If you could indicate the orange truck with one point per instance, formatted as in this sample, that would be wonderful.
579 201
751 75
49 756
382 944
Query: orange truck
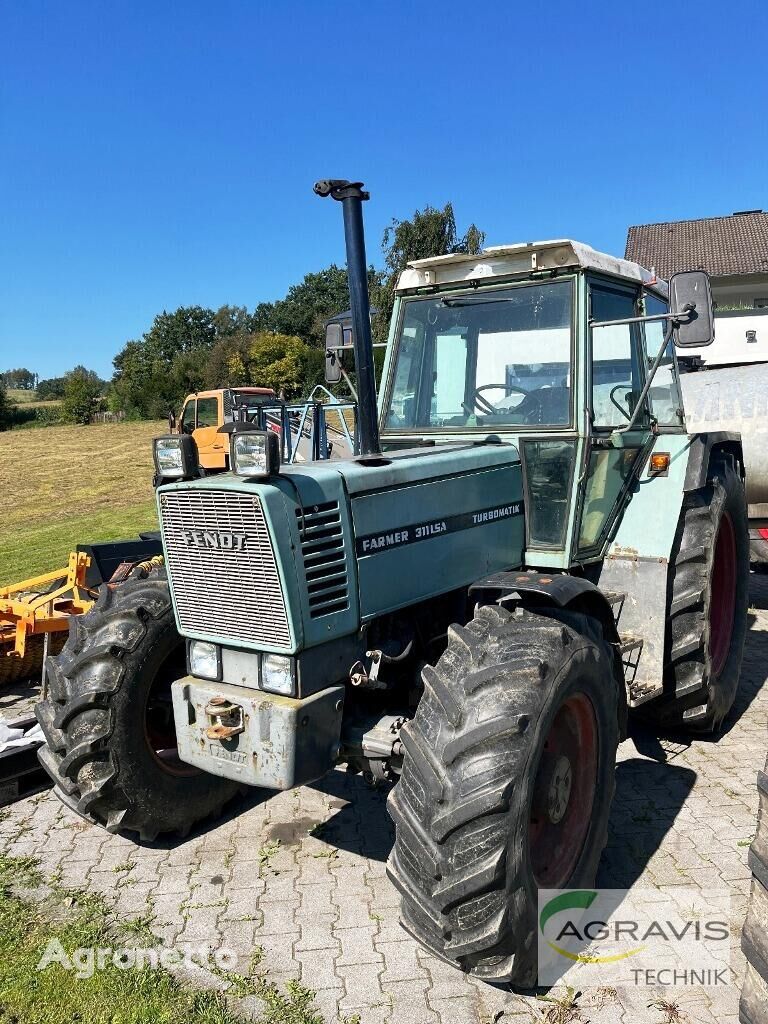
205 411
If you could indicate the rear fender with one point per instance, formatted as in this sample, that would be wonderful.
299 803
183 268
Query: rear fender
706 446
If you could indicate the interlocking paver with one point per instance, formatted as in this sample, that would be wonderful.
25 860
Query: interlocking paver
323 911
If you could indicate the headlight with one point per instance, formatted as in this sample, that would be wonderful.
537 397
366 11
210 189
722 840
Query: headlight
176 458
278 675
168 458
255 452
204 660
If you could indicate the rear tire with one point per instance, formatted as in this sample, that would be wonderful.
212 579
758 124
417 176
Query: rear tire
481 815
707 610
108 725
754 940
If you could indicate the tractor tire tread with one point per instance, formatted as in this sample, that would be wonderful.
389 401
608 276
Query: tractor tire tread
452 862
693 701
99 771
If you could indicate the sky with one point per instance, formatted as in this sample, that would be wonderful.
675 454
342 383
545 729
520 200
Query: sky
161 154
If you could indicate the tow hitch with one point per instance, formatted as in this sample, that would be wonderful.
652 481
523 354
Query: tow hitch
227 719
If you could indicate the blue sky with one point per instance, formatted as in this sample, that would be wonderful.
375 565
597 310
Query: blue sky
160 154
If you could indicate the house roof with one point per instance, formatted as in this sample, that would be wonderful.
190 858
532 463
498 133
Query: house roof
723 246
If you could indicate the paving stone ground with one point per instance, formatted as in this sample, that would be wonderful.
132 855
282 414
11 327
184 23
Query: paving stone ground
301 875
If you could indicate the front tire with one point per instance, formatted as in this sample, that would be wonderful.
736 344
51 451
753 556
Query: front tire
110 738
507 783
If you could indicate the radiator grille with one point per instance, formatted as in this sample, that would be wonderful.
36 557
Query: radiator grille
322 547
222 567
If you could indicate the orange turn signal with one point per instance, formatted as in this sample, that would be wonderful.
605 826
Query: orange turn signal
659 464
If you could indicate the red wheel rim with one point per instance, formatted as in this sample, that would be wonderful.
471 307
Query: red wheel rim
722 602
564 793
160 731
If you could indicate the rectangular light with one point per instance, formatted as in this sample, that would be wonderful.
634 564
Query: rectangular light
205 660
176 458
255 453
278 674
169 460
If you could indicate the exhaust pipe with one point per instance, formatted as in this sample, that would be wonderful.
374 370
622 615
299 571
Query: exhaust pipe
351 196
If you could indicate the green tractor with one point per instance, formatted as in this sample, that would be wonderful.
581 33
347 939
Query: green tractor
528 546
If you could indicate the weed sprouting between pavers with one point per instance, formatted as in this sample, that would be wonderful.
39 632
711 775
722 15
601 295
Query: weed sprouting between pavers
38 915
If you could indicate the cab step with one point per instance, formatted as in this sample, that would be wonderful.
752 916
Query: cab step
614 599
629 643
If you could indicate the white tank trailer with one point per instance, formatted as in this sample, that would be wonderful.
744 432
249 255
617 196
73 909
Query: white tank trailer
727 389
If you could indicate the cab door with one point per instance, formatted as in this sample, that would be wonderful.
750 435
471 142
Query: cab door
615 379
211 445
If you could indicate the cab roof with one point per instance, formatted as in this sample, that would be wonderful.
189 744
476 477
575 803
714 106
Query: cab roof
499 261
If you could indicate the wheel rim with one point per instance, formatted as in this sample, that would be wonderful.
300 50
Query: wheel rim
723 595
564 793
160 729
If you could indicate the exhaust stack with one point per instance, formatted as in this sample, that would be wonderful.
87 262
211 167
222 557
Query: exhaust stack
351 196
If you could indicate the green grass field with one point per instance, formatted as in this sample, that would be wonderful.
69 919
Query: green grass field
29 399
64 486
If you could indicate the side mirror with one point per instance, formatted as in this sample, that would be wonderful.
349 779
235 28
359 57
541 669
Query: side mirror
690 297
334 340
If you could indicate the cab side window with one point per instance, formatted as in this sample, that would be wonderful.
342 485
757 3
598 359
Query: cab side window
188 418
616 373
666 404
207 412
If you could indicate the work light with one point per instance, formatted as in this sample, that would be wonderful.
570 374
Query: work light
175 457
255 452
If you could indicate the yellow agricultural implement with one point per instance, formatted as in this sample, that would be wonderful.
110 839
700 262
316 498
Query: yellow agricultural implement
38 606
41 607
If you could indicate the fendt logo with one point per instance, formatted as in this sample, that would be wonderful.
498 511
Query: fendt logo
215 541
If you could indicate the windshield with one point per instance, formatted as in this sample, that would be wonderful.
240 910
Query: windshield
491 359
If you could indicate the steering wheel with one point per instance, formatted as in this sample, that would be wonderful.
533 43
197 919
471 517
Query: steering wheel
624 412
483 405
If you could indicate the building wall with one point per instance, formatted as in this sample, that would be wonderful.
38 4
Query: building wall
747 290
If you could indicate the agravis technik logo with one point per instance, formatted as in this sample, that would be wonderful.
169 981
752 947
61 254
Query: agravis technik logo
593 937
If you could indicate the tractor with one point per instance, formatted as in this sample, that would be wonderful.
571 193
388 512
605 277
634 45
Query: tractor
528 547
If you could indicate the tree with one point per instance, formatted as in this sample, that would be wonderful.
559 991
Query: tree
229 320
189 327
81 390
278 361
155 374
51 388
431 232
5 408
308 304
22 379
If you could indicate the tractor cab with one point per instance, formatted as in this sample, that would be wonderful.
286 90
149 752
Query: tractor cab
555 348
